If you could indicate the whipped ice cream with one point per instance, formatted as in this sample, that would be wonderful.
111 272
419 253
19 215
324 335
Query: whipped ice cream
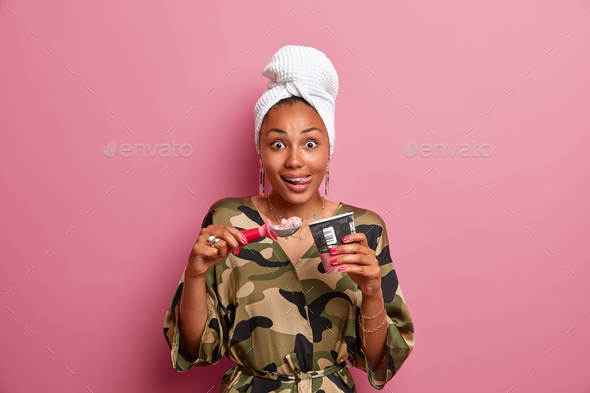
290 223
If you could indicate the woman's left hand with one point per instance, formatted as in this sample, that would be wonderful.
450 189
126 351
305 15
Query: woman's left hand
367 273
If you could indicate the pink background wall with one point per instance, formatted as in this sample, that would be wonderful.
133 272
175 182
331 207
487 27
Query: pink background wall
491 252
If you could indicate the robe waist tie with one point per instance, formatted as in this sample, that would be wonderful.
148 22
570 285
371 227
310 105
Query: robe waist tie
301 379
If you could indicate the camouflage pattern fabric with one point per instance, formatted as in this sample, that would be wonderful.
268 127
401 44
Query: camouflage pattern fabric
290 328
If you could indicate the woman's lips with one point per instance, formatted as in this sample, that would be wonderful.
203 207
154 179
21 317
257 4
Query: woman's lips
300 186
305 180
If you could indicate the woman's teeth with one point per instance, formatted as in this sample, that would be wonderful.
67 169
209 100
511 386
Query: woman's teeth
296 180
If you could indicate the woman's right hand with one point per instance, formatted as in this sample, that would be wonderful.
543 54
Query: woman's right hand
203 256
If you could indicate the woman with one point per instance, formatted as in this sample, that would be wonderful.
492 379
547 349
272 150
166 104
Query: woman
270 306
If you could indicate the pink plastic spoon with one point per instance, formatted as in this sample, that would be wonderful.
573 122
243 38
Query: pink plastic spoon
268 230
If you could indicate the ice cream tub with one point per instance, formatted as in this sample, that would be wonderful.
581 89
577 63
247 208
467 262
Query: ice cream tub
328 233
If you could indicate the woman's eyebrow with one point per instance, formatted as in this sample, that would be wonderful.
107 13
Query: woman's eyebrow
302 132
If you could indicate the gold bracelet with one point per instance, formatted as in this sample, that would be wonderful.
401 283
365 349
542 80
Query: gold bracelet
365 331
363 315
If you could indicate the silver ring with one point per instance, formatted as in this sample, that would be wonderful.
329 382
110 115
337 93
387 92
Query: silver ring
210 238
214 242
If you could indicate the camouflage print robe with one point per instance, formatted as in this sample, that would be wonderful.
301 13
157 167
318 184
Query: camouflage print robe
288 327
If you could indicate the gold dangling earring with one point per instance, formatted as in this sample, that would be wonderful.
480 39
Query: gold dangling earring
327 178
261 179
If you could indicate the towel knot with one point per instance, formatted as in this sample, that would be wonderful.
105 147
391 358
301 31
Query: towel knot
301 379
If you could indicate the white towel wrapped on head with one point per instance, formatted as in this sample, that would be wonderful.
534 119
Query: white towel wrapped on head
299 71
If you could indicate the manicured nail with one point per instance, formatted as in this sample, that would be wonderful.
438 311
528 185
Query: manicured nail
244 240
333 250
334 260
342 268
237 251
345 238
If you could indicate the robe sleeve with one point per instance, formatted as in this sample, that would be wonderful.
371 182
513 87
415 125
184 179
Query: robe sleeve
213 344
400 329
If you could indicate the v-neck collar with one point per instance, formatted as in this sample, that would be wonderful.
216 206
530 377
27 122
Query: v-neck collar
250 201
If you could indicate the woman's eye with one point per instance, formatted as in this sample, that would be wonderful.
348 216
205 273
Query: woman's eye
275 143
308 142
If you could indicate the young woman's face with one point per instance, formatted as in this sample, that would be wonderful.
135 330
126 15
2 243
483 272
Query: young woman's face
294 140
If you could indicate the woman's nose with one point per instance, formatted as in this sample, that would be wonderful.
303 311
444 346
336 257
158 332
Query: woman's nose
294 158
